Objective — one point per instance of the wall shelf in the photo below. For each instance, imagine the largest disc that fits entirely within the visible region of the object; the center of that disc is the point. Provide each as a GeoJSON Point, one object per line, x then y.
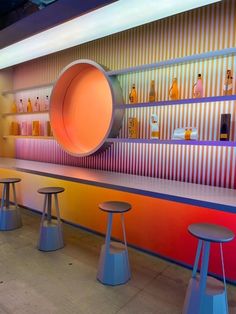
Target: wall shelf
{"type": "Point", "coordinates": [24, 113]}
{"type": "Point", "coordinates": [28, 137]}
{"type": "Point", "coordinates": [172, 142]}
{"type": "Point", "coordinates": [14, 91]}
{"type": "Point", "coordinates": [187, 59]}
{"type": "Point", "coordinates": [186, 101]}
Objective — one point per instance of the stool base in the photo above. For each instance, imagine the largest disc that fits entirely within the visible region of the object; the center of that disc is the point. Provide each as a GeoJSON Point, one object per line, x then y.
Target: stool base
{"type": "Point", "coordinates": [113, 266]}
{"type": "Point", "coordinates": [51, 237]}
{"type": "Point", "coordinates": [10, 218]}
{"type": "Point", "coordinates": [214, 298]}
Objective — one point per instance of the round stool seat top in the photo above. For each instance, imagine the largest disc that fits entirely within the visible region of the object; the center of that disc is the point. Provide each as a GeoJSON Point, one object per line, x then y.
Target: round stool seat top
{"type": "Point", "coordinates": [10, 180]}
{"type": "Point", "coordinates": [211, 232]}
{"type": "Point", "coordinates": [115, 207]}
{"type": "Point", "coordinates": [51, 190]}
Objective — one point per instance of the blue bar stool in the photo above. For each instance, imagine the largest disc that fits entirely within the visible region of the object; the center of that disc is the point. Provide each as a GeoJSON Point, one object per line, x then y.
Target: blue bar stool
{"type": "Point", "coordinates": [205, 294]}
{"type": "Point", "coordinates": [114, 266]}
{"type": "Point", "coordinates": [51, 237]}
{"type": "Point", "coordinates": [10, 217]}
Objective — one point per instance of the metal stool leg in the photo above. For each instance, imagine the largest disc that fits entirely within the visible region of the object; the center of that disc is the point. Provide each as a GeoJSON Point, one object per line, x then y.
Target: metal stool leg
{"type": "Point", "coordinates": [14, 194]}
{"type": "Point", "coordinates": [203, 276]}
{"type": "Point", "coordinates": [198, 253]}
{"type": "Point", "coordinates": [58, 218]}
{"type": "Point", "coordinates": [108, 233]}
{"type": "Point", "coordinates": [223, 271]}
{"type": "Point", "coordinates": [7, 202]}
{"type": "Point", "coordinates": [3, 196]}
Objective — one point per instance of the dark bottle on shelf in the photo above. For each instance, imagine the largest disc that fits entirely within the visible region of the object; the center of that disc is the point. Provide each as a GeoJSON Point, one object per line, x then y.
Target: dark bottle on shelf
{"type": "Point", "coordinates": [225, 126]}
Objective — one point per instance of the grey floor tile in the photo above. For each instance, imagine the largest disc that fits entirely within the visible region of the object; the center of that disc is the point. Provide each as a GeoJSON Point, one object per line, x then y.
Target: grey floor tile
{"type": "Point", "coordinates": [64, 281]}
{"type": "Point", "coordinates": [145, 303]}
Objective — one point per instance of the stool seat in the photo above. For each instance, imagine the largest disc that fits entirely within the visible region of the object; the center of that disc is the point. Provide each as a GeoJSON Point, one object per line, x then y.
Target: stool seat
{"type": "Point", "coordinates": [211, 232]}
{"type": "Point", "coordinates": [10, 180]}
{"type": "Point", "coordinates": [51, 190]}
{"type": "Point", "coordinates": [115, 207]}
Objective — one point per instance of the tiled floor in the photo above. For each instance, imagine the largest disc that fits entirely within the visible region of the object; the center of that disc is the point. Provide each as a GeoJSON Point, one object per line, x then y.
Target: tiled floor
{"type": "Point", "coordinates": [64, 281]}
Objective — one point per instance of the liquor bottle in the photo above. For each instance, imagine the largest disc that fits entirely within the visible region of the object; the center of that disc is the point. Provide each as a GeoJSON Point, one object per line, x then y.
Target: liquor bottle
{"type": "Point", "coordinates": [133, 95]}
{"type": "Point", "coordinates": [21, 106]}
{"type": "Point", "coordinates": [198, 88]}
{"type": "Point", "coordinates": [14, 107]}
{"type": "Point", "coordinates": [35, 128]}
{"type": "Point", "coordinates": [132, 127]}
{"type": "Point", "coordinates": [36, 104]}
{"type": "Point", "coordinates": [174, 91]}
{"type": "Point", "coordinates": [228, 83]}
{"type": "Point", "coordinates": [29, 106]}
{"type": "Point", "coordinates": [152, 92]}
{"type": "Point", "coordinates": [46, 103]}
{"type": "Point", "coordinates": [225, 126]}
{"type": "Point", "coordinates": [154, 126]}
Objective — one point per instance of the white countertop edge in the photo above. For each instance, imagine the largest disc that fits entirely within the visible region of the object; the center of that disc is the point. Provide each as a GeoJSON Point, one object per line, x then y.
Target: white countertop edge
{"type": "Point", "coordinates": [190, 193]}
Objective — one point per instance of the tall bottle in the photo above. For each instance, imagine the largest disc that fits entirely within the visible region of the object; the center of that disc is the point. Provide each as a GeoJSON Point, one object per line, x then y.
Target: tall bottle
{"type": "Point", "coordinates": [228, 83]}
{"type": "Point", "coordinates": [46, 103]}
{"type": "Point", "coordinates": [36, 104]}
{"type": "Point", "coordinates": [198, 88]}
{"type": "Point", "coordinates": [133, 98]}
{"type": "Point", "coordinates": [21, 106]}
{"type": "Point", "coordinates": [29, 106]}
{"type": "Point", "coordinates": [14, 107]}
{"type": "Point", "coordinates": [154, 126]}
{"type": "Point", "coordinates": [152, 92]}
{"type": "Point", "coordinates": [174, 90]}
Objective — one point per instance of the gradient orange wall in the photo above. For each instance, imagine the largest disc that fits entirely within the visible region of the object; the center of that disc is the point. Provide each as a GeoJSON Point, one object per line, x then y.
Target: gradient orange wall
{"type": "Point", "coordinates": [155, 225]}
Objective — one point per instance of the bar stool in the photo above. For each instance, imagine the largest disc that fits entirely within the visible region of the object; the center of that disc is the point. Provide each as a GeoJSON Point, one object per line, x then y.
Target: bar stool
{"type": "Point", "coordinates": [205, 294]}
{"type": "Point", "coordinates": [10, 217]}
{"type": "Point", "coordinates": [51, 237]}
{"type": "Point", "coordinates": [113, 266]}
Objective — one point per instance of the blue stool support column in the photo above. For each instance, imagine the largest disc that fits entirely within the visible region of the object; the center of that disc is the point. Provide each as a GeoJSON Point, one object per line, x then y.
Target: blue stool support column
{"type": "Point", "coordinates": [114, 266]}
{"type": "Point", "coordinates": [10, 217]}
{"type": "Point", "coordinates": [51, 237]}
{"type": "Point", "coordinates": [205, 294]}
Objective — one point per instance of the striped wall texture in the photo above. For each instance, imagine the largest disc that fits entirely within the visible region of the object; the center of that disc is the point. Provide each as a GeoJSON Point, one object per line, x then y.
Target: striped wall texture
{"type": "Point", "coordinates": [205, 29]}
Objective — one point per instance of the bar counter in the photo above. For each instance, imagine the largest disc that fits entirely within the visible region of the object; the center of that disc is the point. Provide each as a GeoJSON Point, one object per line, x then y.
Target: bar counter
{"type": "Point", "coordinates": [188, 193]}
{"type": "Point", "coordinates": [161, 210]}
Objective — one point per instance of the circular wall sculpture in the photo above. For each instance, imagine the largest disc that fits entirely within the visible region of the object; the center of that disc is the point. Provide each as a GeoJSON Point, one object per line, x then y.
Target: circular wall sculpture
{"type": "Point", "coordinates": [83, 111]}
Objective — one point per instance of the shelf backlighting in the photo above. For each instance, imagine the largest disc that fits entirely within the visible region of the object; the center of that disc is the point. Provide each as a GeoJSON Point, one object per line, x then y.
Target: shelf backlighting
{"type": "Point", "coordinates": [115, 17]}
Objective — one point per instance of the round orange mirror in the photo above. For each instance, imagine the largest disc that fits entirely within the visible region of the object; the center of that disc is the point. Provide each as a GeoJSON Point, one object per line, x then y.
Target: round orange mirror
{"type": "Point", "coordinates": [83, 110]}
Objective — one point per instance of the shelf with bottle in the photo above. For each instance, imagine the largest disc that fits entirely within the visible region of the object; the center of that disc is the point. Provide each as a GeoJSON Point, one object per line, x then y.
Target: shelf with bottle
{"type": "Point", "coordinates": [38, 137]}
{"type": "Point", "coordinates": [29, 88]}
{"type": "Point", "coordinates": [24, 113]}
{"type": "Point", "coordinates": [186, 101]}
{"type": "Point", "coordinates": [173, 142]}
{"type": "Point", "coordinates": [21, 107]}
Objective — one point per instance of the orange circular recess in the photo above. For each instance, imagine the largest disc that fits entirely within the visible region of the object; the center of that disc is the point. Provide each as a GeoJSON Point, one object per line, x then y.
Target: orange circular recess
{"type": "Point", "coordinates": [83, 110]}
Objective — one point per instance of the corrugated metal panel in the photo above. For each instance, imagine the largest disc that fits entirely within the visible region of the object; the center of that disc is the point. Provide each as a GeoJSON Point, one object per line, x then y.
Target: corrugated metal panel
{"type": "Point", "coordinates": [205, 29]}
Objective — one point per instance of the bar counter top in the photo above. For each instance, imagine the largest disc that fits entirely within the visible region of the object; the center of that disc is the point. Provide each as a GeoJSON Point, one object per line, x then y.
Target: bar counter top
{"type": "Point", "coordinates": [189, 193]}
